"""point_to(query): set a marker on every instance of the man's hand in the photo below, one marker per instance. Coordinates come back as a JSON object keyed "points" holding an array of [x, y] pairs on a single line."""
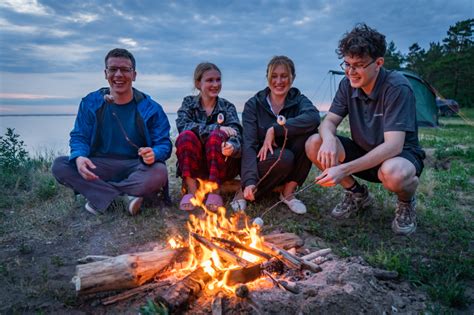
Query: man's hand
{"points": [[147, 155], [248, 192], [331, 176], [327, 155], [227, 148], [84, 166], [268, 144], [229, 131]]}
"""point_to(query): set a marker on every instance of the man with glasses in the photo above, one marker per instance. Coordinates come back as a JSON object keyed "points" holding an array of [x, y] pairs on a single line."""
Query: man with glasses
{"points": [[384, 143], [119, 143]]}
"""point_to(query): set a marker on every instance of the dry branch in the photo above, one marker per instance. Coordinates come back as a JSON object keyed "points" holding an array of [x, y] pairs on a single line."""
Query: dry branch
{"points": [[284, 240]]}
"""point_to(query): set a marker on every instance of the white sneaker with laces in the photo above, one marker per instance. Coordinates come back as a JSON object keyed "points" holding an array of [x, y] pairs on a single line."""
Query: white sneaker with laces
{"points": [[295, 205]]}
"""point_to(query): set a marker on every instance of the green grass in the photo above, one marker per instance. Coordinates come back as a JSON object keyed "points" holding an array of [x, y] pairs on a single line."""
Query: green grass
{"points": [[438, 258]]}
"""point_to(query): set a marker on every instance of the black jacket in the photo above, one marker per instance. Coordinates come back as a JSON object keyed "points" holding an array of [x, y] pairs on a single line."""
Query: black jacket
{"points": [[301, 115]]}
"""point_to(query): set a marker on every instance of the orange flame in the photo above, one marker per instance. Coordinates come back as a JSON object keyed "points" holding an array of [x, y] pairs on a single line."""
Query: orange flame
{"points": [[216, 224]]}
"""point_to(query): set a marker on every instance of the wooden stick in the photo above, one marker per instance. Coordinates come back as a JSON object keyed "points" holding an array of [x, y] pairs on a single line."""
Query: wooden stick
{"points": [[132, 292], [318, 253], [226, 254], [247, 249], [284, 256], [217, 304], [284, 240]]}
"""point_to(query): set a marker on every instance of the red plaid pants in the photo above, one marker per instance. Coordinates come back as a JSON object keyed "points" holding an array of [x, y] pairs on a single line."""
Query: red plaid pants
{"points": [[206, 161]]}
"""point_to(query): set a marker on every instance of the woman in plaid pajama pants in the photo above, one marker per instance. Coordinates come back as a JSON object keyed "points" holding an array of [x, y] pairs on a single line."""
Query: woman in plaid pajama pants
{"points": [[207, 148]]}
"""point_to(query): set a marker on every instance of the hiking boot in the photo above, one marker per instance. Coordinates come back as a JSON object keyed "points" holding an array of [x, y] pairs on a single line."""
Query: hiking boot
{"points": [[351, 204], [134, 204], [405, 218], [92, 209]]}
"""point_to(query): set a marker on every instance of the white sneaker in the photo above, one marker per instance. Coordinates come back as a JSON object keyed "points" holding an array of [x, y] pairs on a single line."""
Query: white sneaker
{"points": [[295, 205], [134, 205], [91, 209]]}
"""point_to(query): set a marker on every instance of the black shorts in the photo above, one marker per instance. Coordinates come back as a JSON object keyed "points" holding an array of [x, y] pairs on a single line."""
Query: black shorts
{"points": [[354, 151]]}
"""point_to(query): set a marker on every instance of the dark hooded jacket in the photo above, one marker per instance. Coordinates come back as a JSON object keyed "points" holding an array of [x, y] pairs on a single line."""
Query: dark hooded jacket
{"points": [[301, 115]]}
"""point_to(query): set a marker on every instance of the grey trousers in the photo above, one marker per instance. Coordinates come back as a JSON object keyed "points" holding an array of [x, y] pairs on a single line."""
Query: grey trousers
{"points": [[116, 177]]}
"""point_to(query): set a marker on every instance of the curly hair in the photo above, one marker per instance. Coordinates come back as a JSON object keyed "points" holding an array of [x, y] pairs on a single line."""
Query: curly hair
{"points": [[362, 41], [120, 53]]}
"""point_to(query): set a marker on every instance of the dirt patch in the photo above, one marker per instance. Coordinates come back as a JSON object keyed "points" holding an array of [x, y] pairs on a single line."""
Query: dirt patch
{"points": [[37, 266]]}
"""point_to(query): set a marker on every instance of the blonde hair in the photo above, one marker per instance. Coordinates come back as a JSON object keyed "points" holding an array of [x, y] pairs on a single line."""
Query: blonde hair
{"points": [[281, 61], [201, 69]]}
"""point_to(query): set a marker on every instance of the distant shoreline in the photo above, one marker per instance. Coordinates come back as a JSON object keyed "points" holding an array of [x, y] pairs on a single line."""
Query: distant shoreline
{"points": [[29, 115]]}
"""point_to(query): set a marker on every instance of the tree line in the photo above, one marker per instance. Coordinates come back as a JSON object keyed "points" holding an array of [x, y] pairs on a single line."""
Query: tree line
{"points": [[447, 66]]}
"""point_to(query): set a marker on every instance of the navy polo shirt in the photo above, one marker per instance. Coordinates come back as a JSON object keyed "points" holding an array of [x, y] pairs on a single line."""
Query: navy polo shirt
{"points": [[390, 107]]}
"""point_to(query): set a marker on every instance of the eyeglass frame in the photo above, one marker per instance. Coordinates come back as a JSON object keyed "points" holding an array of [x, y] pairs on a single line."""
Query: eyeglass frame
{"points": [[344, 63], [124, 70]]}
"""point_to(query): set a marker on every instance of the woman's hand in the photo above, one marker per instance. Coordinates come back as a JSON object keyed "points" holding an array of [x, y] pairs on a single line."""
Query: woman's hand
{"points": [[227, 148], [268, 144], [248, 192], [229, 131]]}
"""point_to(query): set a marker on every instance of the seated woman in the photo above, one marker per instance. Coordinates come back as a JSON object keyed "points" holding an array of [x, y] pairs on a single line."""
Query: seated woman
{"points": [[207, 148], [263, 137]]}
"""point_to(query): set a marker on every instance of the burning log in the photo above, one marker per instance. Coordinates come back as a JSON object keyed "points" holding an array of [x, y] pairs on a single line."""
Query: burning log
{"points": [[217, 304], [185, 291], [122, 272], [247, 249], [284, 240], [226, 254], [252, 272]]}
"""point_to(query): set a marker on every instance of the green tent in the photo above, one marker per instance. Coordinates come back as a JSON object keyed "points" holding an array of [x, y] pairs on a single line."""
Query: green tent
{"points": [[425, 94]]}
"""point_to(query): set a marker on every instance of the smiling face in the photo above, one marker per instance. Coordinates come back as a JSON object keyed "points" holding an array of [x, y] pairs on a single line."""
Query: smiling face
{"points": [[279, 81], [120, 74], [210, 84], [362, 72]]}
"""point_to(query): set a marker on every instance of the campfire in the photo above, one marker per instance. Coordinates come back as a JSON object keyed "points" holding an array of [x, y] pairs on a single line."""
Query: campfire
{"points": [[223, 256]]}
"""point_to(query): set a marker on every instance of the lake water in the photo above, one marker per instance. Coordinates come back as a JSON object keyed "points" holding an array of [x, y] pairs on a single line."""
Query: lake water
{"points": [[49, 134]]}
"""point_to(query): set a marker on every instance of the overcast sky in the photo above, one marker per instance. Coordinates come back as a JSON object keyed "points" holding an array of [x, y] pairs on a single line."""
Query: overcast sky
{"points": [[52, 51]]}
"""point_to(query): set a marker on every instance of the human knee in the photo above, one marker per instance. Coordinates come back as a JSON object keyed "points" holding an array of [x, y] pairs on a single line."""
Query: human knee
{"points": [[186, 136], [215, 139], [395, 176], [312, 146], [156, 179], [287, 160]]}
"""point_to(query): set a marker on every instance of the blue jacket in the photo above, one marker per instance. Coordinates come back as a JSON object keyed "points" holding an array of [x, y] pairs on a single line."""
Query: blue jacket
{"points": [[152, 122]]}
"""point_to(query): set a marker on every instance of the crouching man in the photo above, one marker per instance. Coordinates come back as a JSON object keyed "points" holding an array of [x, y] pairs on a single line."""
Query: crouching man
{"points": [[119, 143], [384, 143]]}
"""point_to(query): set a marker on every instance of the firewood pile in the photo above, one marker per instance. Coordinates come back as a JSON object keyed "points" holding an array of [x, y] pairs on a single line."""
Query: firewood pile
{"points": [[136, 274]]}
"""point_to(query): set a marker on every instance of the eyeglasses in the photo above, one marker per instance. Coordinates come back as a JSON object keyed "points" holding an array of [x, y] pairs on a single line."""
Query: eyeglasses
{"points": [[346, 66], [124, 70]]}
